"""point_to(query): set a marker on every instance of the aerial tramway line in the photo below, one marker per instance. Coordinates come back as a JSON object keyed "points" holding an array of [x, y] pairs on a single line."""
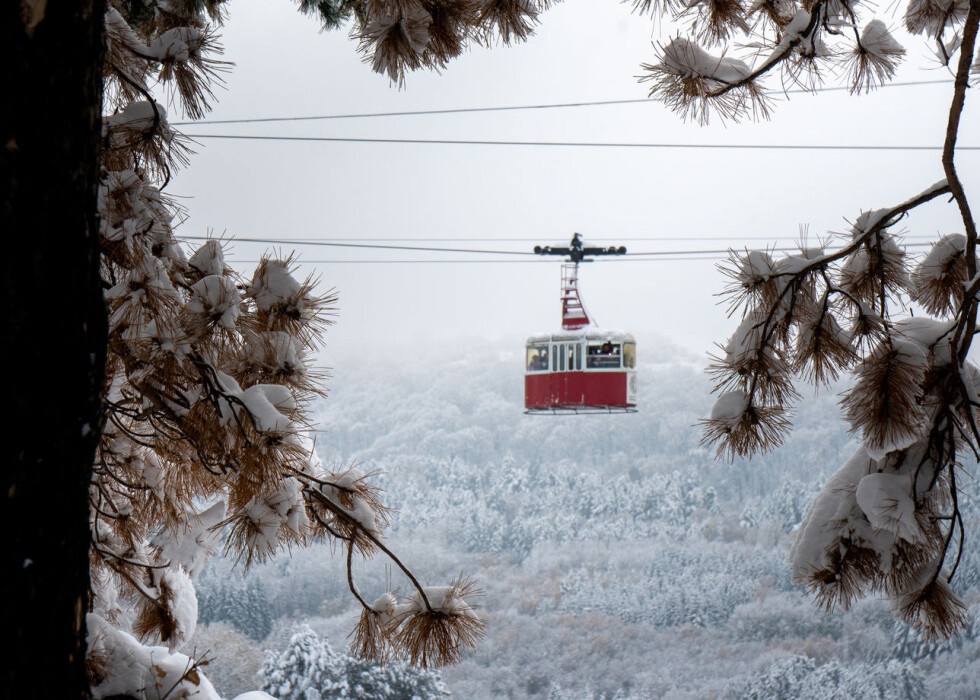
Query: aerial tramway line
{"points": [[582, 368]]}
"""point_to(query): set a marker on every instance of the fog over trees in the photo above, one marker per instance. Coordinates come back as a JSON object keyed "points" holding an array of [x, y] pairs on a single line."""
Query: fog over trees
{"points": [[619, 557]]}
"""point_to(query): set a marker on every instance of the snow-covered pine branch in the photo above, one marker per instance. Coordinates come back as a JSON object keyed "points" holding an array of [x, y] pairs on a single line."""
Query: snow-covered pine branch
{"points": [[888, 520], [208, 384]]}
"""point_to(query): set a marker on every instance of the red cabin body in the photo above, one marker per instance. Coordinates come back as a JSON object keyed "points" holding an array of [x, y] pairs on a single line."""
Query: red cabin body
{"points": [[580, 371]]}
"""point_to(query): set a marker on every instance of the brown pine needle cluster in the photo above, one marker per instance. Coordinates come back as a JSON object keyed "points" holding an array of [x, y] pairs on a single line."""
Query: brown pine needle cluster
{"points": [[372, 636], [885, 402], [433, 626], [934, 610], [348, 507], [720, 20], [399, 37], [875, 58], [933, 17], [436, 625], [939, 281], [823, 349]]}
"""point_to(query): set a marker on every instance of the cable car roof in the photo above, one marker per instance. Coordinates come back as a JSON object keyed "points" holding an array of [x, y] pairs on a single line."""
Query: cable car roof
{"points": [[587, 333]]}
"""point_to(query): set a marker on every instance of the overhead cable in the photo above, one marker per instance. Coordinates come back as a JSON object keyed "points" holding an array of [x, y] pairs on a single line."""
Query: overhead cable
{"points": [[467, 110], [369, 245], [359, 242], [583, 144], [646, 256]]}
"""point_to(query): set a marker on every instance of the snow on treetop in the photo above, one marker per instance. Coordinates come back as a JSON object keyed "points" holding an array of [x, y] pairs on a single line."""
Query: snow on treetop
{"points": [[266, 402], [177, 589], [924, 331], [190, 544], [280, 350], [887, 504], [134, 670], [209, 259], [272, 284], [941, 255], [754, 265], [137, 116], [799, 22], [877, 40], [813, 548], [444, 599], [343, 486], [385, 603], [793, 264], [216, 297], [176, 44], [867, 220], [729, 406], [794, 31], [746, 339], [686, 59]]}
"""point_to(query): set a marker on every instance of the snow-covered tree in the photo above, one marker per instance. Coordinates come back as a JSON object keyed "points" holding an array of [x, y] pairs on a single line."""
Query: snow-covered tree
{"points": [[194, 384], [208, 384], [239, 600], [309, 669], [256, 620], [801, 678], [196, 365], [394, 681], [890, 520]]}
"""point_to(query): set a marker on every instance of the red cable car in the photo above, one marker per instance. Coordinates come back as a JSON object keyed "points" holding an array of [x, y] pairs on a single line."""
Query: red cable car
{"points": [[583, 368]]}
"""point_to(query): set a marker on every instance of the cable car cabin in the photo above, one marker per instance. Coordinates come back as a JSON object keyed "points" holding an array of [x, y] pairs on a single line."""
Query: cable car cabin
{"points": [[582, 368], [580, 371]]}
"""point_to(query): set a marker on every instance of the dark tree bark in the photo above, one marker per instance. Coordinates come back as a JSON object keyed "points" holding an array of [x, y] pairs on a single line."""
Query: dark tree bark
{"points": [[54, 334]]}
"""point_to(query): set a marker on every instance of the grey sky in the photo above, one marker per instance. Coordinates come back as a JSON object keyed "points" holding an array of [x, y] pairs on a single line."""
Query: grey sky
{"points": [[643, 198]]}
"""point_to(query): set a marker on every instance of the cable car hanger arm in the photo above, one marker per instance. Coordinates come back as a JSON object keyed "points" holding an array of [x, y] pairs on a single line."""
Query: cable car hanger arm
{"points": [[576, 252]]}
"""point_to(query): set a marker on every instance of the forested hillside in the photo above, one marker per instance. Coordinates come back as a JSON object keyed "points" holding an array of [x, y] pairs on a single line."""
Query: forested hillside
{"points": [[618, 557]]}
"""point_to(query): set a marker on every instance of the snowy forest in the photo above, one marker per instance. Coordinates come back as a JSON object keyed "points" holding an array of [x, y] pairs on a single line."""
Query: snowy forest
{"points": [[617, 556]]}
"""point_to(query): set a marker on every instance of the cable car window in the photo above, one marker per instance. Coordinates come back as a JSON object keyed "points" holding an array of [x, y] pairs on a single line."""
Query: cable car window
{"points": [[561, 357], [554, 359], [611, 358], [629, 355], [592, 355], [604, 355], [537, 358], [578, 356]]}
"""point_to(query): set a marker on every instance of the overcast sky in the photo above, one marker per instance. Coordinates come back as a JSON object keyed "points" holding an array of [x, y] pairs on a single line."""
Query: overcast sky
{"points": [[513, 197]]}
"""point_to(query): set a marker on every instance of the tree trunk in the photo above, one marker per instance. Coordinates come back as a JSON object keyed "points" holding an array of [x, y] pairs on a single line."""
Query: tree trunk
{"points": [[54, 333]]}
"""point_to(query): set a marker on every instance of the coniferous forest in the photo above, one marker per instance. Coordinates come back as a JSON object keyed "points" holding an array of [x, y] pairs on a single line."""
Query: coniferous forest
{"points": [[618, 557]]}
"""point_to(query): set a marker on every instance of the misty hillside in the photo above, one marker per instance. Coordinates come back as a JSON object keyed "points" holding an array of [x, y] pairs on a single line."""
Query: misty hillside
{"points": [[618, 557]]}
